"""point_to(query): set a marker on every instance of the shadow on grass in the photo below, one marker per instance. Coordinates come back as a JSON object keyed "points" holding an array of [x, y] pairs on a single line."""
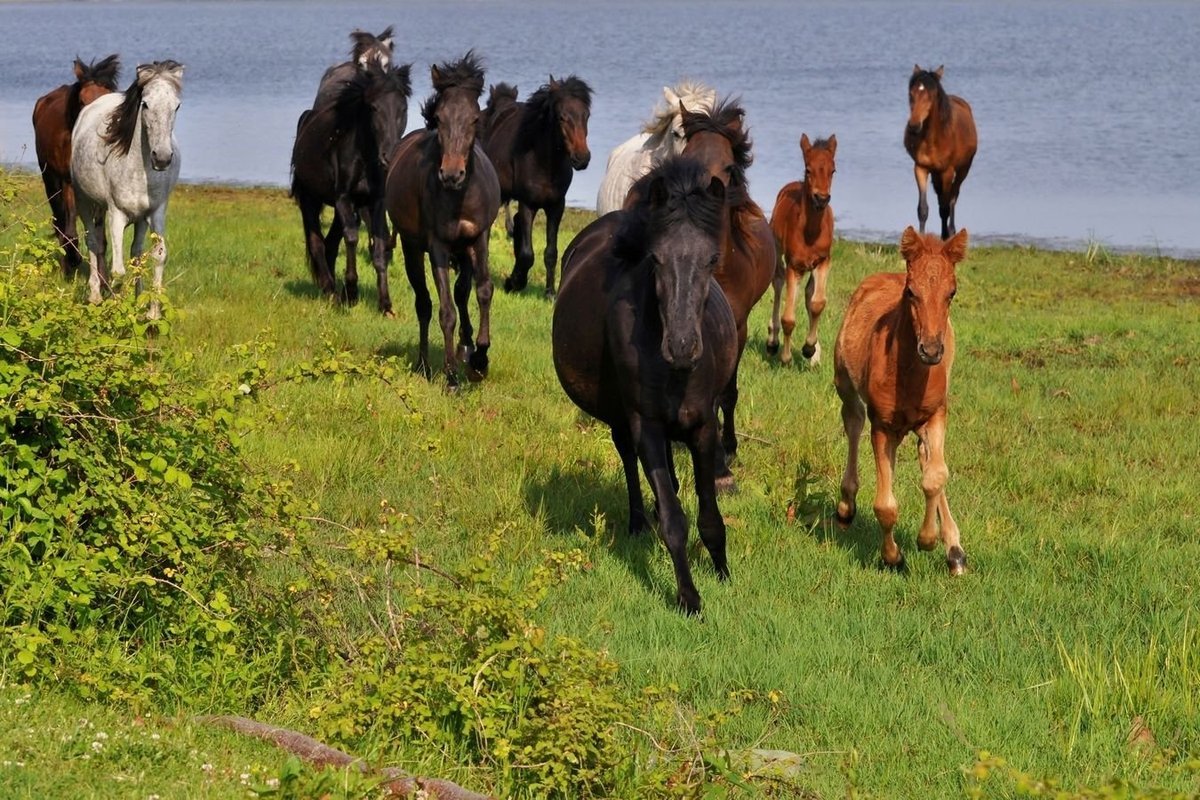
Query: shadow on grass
{"points": [[572, 500]]}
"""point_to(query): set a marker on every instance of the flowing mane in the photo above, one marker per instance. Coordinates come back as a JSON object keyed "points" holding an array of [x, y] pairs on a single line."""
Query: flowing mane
{"points": [[123, 121], [694, 96], [502, 99], [932, 83], [466, 73], [541, 109], [369, 48], [102, 73], [725, 119], [686, 185]]}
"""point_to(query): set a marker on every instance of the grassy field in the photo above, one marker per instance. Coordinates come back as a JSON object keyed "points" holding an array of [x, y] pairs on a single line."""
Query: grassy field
{"points": [[1074, 453]]}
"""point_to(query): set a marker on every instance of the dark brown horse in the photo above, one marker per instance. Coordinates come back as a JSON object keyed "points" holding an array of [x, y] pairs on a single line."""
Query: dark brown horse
{"points": [[535, 146], [443, 197], [644, 340], [892, 365], [54, 116], [368, 50], [940, 137], [340, 159], [720, 141], [802, 222]]}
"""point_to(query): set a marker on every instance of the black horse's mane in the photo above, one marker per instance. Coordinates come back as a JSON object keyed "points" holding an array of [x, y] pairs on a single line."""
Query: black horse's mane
{"points": [[541, 109], [932, 83], [466, 73], [123, 121], [367, 84], [676, 191], [103, 73], [501, 96], [364, 42], [727, 119]]}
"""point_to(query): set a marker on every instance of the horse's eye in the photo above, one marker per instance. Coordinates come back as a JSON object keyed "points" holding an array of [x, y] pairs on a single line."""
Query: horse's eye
{"points": [[952, 293], [712, 262], [145, 105]]}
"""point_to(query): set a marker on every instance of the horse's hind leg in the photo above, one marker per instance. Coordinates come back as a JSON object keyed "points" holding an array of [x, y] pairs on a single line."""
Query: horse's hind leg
{"points": [[777, 285], [439, 261], [712, 526], [381, 254], [814, 301], [727, 442], [56, 194], [922, 176], [934, 475], [623, 441], [348, 216], [477, 362], [72, 257], [158, 253], [310, 214], [414, 267], [522, 249], [93, 227], [554, 216], [788, 321], [960, 174], [887, 510], [854, 415], [942, 183], [462, 296]]}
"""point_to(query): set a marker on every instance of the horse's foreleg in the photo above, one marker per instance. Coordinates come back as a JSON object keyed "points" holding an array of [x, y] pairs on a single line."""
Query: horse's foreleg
{"points": [[623, 440], [777, 282], [814, 301], [347, 215], [477, 364], [310, 214], [652, 447], [116, 240], [854, 415], [788, 322], [554, 216], [934, 476], [462, 296], [439, 261], [712, 526], [414, 267], [887, 510], [377, 224], [158, 253], [922, 176], [522, 249]]}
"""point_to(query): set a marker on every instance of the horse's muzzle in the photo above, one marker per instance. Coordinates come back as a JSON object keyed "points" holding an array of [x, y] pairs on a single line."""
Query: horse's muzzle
{"points": [[932, 354], [159, 163], [820, 201], [452, 179], [581, 160]]}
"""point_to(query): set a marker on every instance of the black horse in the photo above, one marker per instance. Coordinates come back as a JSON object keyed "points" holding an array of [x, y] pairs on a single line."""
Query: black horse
{"points": [[535, 145], [369, 49], [340, 159], [644, 340], [443, 197]]}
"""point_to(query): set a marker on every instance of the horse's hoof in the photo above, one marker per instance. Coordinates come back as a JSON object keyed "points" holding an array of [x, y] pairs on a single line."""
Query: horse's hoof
{"points": [[350, 295], [464, 351], [726, 485], [843, 522], [477, 365], [808, 351], [772, 348], [514, 284], [900, 567], [956, 560], [549, 295], [389, 314], [722, 572], [688, 601]]}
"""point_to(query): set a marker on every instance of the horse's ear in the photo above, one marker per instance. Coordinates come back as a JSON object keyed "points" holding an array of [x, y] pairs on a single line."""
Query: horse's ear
{"points": [[176, 72], [671, 98], [435, 75], [658, 192], [832, 144], [144, 73], [955, 248], [805, 144], [912, 245], [716, 190], [916, 68], [78, 69], [940, 71]]}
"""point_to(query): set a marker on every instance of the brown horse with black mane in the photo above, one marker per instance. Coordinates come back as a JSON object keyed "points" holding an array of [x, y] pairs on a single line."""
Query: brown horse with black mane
{"points": [[892, 365], [802, 222], [535, 147], [54, 116], [720, 141], [940, 137]]}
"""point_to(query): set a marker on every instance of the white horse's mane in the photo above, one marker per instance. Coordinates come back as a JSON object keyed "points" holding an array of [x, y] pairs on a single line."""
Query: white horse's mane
{"points": [[694, 95]]}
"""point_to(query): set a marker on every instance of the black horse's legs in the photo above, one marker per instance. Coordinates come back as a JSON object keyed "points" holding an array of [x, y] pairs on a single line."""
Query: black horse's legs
{"points": [[462, 296], [623, 440], [960, 174], [477, 364], [381, 254], [554, 216], [310, 213], [922, 175], [414, 267], [709, 520], [941, 187], [439, 260], [348, 216], [652, 446], [522, 249]]}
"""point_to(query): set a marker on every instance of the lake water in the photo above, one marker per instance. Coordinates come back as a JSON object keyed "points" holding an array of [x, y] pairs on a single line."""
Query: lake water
{"points": [[1088, 113]]}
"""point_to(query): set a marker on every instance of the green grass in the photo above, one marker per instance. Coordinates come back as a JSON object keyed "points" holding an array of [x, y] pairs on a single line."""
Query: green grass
{"points": [[1074, 453]]}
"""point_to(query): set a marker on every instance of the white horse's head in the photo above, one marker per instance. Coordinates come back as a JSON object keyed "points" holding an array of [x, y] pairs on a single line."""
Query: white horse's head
{"points": [[667, 123], [160, 85]]}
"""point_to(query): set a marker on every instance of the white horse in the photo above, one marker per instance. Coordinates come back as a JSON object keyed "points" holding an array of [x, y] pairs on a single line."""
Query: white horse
{"points": [[662, 136], [125, 160]]}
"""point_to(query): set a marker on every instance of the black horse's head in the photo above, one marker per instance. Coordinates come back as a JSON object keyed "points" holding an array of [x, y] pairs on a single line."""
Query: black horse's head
{"points": [[676, 226], [453, 113]]}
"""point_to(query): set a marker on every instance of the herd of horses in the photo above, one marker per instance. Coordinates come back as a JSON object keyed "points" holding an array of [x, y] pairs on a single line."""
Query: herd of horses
{"points": [[651, 314]]}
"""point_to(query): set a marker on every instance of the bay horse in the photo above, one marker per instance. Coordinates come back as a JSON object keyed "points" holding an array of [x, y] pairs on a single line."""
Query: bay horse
{"points": [[644, 340], [368, 50], [719, 140], [125, 161], [940, 137], [340, 159], [443, 196], [660, 137], [54, 116], [892, 363], [802, 222], [535, 147]]}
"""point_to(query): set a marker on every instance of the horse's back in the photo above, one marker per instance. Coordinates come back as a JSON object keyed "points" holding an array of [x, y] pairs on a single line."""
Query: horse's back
{"points": [[877, 297], [788, 212], [627, 162], [89, 153]]}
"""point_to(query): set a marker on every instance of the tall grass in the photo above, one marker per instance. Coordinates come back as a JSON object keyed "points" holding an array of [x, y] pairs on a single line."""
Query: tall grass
{"points": [[1074, 453]]}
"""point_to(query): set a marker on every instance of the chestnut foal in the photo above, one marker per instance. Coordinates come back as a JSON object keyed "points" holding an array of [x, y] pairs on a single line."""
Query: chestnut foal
{"points": [[892, 364]]}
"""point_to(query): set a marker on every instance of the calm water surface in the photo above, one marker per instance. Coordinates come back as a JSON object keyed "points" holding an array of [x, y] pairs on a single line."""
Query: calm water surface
{"points": [[1087, 112]]}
